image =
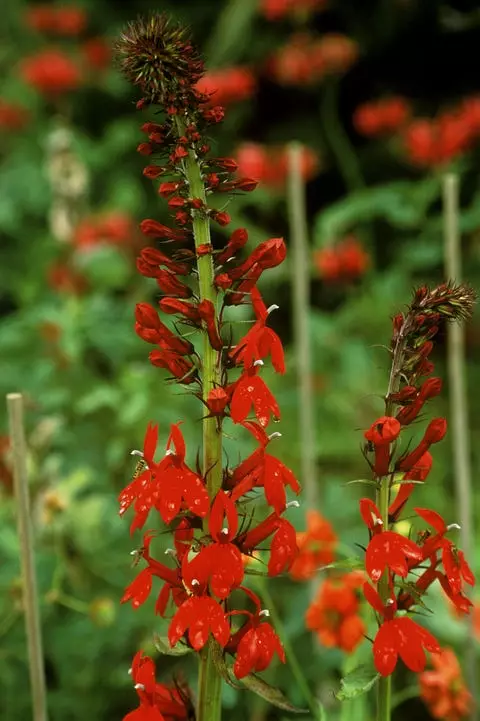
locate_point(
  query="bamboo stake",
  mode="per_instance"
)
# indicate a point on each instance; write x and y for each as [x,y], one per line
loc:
[301,308]
[30,597]
[458,405]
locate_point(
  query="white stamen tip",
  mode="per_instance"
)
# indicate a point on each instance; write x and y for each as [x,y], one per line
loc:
[136,453]
[139,687]
[134,553]
[454,527]
[170,452]
[275,434]
[130,671]
[390,602]
[264,612]
[195,582]
[377,522]
[272,307]
[170,552]
[259,363]
[293,504]
[225,531]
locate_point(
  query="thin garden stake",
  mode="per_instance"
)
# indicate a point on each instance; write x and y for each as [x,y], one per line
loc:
[301,303]
[458,403]
[30,597]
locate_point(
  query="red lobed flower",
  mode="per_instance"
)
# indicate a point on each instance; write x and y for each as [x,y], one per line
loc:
[316,547]
[398,636]
[390,550]
[201,615]
[256,650]
[228,85]
[334,613]
[252,392]
[97,53]
[443,688]
[51,72]
[344,262]
[381,116]
[157,701]
[260,341]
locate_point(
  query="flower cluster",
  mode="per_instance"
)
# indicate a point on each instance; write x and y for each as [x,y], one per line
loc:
[52,70]
[443,688]
[228,85]
[343,262]
[207,505]
[269,165]
[334,614]
[307,59]
[381,117]
[402,569]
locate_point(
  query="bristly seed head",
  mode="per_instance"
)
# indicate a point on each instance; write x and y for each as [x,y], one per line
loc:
[158,56]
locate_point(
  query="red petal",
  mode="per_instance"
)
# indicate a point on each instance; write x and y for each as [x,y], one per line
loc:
[139,590]
[385,654]
[170,500]
[162,600]
[369,512]
[223,509]
[410,643]
[433,518]
[465,569]
[373,598]
[150,443]
[195,493]
[241,401]
[283,549]
[176,437]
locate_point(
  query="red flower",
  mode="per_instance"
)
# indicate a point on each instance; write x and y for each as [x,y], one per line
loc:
[51,72]
[166,485]
[390,550]
[201,615]
[381,116]
[334,613]
[12,116]
[316,547]
[157,701]
[262,469]
[418,472]
[277,9]
[260,341]
[381,433]
[344,262]
[180,368]
[97,53]
[251,391]
[154,229]
[228,85]
[220,564]
[67,21]
[256,649]
[283,547]
[398,636]
[443,689]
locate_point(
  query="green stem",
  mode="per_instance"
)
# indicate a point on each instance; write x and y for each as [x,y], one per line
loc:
[314,705]
[210,682]
[338,140]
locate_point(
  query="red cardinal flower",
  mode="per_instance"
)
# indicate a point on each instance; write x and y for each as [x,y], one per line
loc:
[51,72]
[220,564]
[250,390]
[398,636]
[381,433]
[316,547]
[256,649]
[260,341]
[334,613]
[166,485]
[228,85]
[157,701]
[283,547]
[443,688]
[201,615]
[390,550]
[263,469]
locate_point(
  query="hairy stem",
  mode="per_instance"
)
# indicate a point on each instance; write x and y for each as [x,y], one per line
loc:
[210,683]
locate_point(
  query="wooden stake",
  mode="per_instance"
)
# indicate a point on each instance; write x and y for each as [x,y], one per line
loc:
[460,432]
[30,597]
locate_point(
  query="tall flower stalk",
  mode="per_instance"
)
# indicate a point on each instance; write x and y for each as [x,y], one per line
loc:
[207,508]
[402,569]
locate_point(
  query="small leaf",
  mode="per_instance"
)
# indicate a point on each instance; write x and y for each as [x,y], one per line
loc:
[365,481]
[357,682]
[347,564]
[270,693]
[162,645]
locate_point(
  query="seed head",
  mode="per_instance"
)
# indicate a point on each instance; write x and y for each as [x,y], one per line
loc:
[157,55]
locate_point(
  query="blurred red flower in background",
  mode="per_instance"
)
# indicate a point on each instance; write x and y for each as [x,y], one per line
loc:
[277,9]
[57,20]
[307,59]
[97,53]
[64,279]
[334,614]
[343,262]
[228,85]
[269,165]
[381,116]
[51,72]
[112,229]
[316,547]
[12,116]
[443,688]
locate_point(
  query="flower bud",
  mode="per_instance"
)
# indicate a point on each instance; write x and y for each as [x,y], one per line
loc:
[435,431]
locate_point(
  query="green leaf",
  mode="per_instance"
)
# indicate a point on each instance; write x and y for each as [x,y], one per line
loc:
[357,682]
[270,693]
[233,26]
[162,645]
[365,481]
[347,564]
